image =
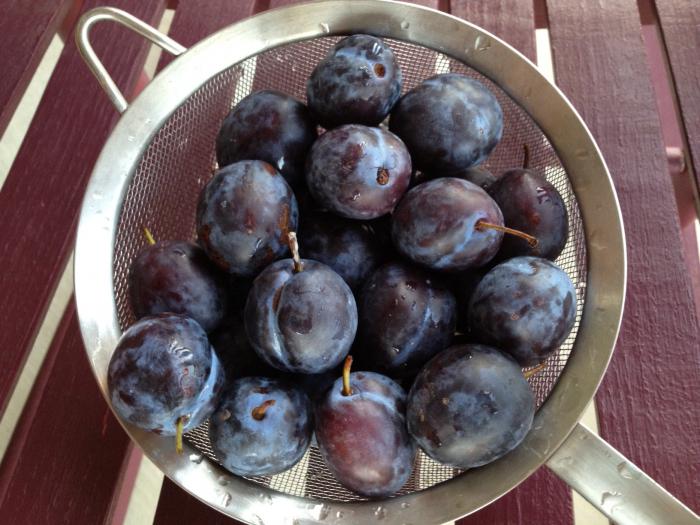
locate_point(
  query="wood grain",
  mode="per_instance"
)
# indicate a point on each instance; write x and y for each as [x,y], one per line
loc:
[27,27]
[680,25]
[41,197]
[649,402]
[65,459]
[511,20]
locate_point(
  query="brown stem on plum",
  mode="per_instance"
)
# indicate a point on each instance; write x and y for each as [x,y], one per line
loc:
[179,429]
[529,373]
[149,236]
[526,156]
[294,247]
[483,225]
[258,413]
[347,391]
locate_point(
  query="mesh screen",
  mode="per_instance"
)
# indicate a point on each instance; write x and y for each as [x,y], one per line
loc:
[181,158]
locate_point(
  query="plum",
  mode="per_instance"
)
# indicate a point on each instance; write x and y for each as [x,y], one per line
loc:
[442,223]
[405,317]
[177,277]
[261,427]
[358,172]
[243,217]
[449,122]
[270,126]
[469,406]
[300,316]
[358,82]
[361,432]
[163,375]
[526,306]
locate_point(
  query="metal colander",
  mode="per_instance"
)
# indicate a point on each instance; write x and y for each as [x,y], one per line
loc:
[161,154]
[179,161]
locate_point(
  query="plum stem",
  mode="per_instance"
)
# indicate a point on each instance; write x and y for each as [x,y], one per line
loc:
[258,412]
[526,156]
[347,391]
[179,429]
[294,247]
[149,236]
[536,370]
[483,225]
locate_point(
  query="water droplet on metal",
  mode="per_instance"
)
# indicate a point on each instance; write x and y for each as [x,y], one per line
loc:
[325,27]
[566,461]
[266,498]
[131,138]
[611,500]
[226,499]
[223,480]
[405,505]
[405,25]
[97,195]
[196,458]
[339,514]
[258,520]
[628,471]
[380,513]
[356,196]
[323,512]
[482,43]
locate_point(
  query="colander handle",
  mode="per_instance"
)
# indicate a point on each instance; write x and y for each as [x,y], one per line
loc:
[82,39]
[615,485]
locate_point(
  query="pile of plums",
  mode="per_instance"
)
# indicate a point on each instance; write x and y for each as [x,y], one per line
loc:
[314,247]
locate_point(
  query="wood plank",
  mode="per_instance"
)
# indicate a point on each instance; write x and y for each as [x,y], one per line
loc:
[41,197]
[649,403]
[511,20]
[66,455]
[680,25]
[26,29]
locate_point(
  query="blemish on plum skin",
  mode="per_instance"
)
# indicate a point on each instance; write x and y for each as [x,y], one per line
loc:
[379,70]
[382,176]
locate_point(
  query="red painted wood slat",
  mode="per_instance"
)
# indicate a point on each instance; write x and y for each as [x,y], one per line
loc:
[40,199]
[26,29]
[65,458]
[542,498]
[177,506]
[649,403]
[680,24]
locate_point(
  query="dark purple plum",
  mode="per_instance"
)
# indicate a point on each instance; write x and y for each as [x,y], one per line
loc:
[525,306]
[358,172]
[438,224]
[348,247]
[162,370]
[531,204]
[362,434]
[270,126]
[235,352]
[261,427]
[358,82]
[449,122]
[244,215]
[301,321]
[405,318]
[177,277]
[469,406]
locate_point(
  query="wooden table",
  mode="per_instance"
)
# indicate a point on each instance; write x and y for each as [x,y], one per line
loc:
[67,460]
